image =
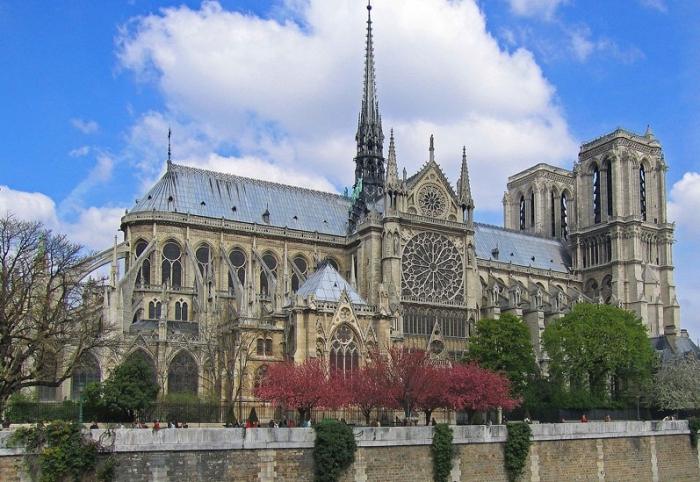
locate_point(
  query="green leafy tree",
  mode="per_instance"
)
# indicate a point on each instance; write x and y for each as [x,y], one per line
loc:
[601,352]
[129,390]
[503,345]
[334,450]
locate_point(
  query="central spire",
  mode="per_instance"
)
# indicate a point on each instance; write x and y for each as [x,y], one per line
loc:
[369,137]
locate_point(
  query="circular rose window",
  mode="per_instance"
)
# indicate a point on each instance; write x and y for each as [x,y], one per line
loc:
[431,269]
[432,201]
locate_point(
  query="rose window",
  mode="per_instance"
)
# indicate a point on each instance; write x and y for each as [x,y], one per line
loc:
[431,269]
[432,201]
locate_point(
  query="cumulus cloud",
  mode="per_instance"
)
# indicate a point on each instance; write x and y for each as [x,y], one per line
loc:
[81,151]
[285,91]
[536,8]
[583,45]
[85,126]
[683,206]
[93,227]
[685,202]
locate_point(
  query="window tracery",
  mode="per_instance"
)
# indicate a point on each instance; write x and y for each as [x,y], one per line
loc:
[172,265]
[432,201]
[238,261]
[301,265]
[183,374]
[344,354]
[204,261]
[86,371]
[271,263]
[143,277]
[431,269]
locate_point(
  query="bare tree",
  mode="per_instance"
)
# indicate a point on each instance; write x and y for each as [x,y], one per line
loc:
[677,385]
[49,317]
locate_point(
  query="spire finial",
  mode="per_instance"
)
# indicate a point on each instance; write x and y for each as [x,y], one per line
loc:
[170,133]
[432,148]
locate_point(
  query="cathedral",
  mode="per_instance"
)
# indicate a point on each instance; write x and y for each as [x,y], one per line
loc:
[218,276]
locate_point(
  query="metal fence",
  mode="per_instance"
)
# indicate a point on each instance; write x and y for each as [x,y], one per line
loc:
[209,413]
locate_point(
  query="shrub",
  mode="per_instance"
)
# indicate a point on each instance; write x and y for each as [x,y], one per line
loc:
[334,450]
[442,451]
[516,449]
[63,451]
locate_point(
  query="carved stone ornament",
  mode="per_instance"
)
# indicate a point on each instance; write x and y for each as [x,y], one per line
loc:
[431,268]
[432,201]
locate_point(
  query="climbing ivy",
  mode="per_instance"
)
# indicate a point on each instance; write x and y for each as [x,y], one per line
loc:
[334,450]
[516,449]
[60,451]
[442,451]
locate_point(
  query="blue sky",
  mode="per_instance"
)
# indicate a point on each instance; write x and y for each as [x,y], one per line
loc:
[271,88]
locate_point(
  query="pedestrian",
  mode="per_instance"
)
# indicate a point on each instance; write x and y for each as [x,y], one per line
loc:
[584,419]
[608,418]
[156,425]
[271,423]
[94,425]
[433,422]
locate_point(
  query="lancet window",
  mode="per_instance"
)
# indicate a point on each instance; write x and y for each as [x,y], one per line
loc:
[143,276]
[86,371]
[643,193]
[183,374]
[271,263]
[522,213]
[204,261]
[301,265]
[171,272]
[238,261]
[181,310]
[596,194]
[564,216]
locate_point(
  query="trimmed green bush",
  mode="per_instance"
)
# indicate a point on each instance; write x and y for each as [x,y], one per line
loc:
[442,451]
[334,450]
[694,426]
[516,449]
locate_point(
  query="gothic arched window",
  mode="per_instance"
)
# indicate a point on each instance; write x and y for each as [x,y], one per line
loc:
[238,261]
[552,217]
[143,276]
[86,371]
[181,310]
[564,216]
[609,185]
[172,265]
[154,310]
[183,374]
[332,262]
[522,213]
[271,263]
[260,374]
[301,265]
[596,194]
[643,193]
[532,208]
[203,256]
[345,354]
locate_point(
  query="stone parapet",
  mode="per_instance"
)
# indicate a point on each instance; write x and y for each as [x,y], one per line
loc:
[211,439]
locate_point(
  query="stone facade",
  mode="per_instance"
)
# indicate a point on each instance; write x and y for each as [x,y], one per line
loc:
[598,451]
[218,276]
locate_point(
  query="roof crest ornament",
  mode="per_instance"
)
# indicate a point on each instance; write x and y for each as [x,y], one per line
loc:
[170,161]
[432,148]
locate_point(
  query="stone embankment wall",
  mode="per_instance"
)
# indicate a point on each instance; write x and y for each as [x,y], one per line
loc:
[597,451]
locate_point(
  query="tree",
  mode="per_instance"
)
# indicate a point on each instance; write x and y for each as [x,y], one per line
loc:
[409,378]
[504,345]
[677,385]
[367,388]
[49,317]
[130,389]
[436,394]
[478,389]
[600,351]
[302,387]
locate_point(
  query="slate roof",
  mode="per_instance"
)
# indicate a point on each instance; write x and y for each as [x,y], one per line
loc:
[520,249]
[672,348]
[217,195]
[326,284]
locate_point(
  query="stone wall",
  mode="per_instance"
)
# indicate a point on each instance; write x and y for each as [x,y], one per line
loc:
[597,451]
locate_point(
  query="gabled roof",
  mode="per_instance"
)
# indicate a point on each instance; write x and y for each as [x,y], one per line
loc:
[217,195]
[413,180]
[326,284]
[520,249]
[674,348]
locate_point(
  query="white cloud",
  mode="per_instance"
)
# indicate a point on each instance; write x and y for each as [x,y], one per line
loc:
[684,202]
[100,173]
[268,89]
[85,126]
[81,151]
[536,8]
[683,206]
[583,45]
[93,227]
[659,5]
